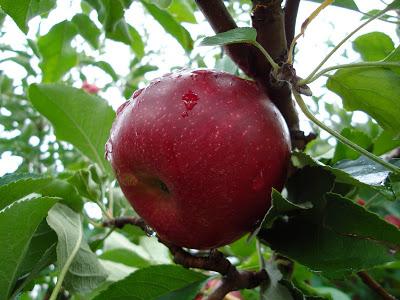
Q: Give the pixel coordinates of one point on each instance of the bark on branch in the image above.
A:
(291, 9)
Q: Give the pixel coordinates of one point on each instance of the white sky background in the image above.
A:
(332, 24)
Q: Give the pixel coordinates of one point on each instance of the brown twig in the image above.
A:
(122, 221)
(375, 286)
(291, 9)
(215, 261)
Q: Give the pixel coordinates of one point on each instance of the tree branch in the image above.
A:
(220, 20)
(291, 9)
(215, 261)
(268, 20)
(375, 286)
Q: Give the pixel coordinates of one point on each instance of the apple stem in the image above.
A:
(341, 138)
(368, 64)
(345, 39)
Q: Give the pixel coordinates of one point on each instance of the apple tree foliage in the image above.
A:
(328, 224)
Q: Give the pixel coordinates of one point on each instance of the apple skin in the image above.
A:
(393, 220)
(197, 154)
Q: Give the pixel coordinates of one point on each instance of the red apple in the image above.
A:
(197, 154)
(361, 202)
(393, 220)
(90, 88)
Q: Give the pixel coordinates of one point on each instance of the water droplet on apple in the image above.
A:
(137, 93)
(149, 231)
(108, 152)
(258, 181)
(190, 100)
(199, 72)
(122, 107)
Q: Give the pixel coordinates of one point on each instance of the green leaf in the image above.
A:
(384, 143)
(373, 46)
(87, 183)
(45, 259)
(126, 257)
(394, 56)
(58, 57)
(362, 172)
(25, 184)
(16, 234)
(40, 7)
(328, 236)
(182, 11)
(23, 61)
(87, 29)
(376, 91)
(111, 13)
(79, 118)
(170, 25)
(116, 272)
(85, 273)
(43, 238)
(356, 136)
(334, 293)
(394, 5)
(128, 35)
(65, 191)
(105, 66)
(156, 282)
(237, 35)
(162, 3)
(21, 11)
(279, 289)
(349, 4)
(15, 186)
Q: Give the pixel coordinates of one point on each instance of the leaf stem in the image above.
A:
(375, 286)
(368, 64)
(376, 16)
(341, 138)
(274, 65)
(67, 265)
(100, 203)
(304, 26)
